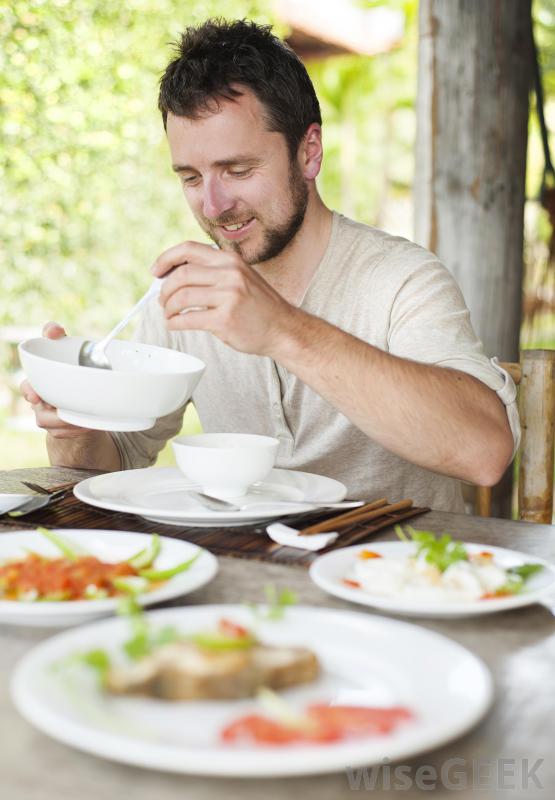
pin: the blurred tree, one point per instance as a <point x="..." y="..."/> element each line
<point x="368" y="106"/>
<point x="87" y="196"/>
<point x="89" y="199"/>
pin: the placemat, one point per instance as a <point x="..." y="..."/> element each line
<point x="249" y="541"/>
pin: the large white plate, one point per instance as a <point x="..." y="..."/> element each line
<point x="329" y="570"/>
<point x="108" y="546"/>
<point x="366" y="661"/>
<point x="159" y="494"/>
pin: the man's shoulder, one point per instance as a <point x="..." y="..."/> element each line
<point x="376" y="245"/>
<point x="381" y="262"/>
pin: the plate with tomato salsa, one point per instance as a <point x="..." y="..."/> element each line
<point x="366" y="701"/>
<point x="431" y="575"/>
<point x="66" y="576"/>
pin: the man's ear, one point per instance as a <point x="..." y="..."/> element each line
<point x="311" y="151"/>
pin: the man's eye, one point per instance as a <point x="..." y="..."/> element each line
<point x="189" y="180"/>
<point x="240" y="173"/>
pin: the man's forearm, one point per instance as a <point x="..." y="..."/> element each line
<point x="93" y="450"/>
<point x="439" y="418"/>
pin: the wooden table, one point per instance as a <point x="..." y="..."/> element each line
<point x="518" y="646"/>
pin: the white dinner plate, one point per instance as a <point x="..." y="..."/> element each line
<point x="159" y="494"/>
<point x="366" y="660"/>
<point x="329" y="571"/>
<point x="108" y="546"/>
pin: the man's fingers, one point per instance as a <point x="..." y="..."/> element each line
<point x="189" y="275"/>
<point x="197" y="252"/>
<point x="194" y="321"/>
<point x="53" y="331"/>
<point x="32" y="397"/>
<point x="29" y="393"/>
<point x="194" y="297"/>
<point x="47" y="418"/>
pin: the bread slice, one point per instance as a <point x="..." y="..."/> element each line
<point x="185" y="671"/>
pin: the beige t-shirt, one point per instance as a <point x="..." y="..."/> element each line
<point x="386" y="291"/>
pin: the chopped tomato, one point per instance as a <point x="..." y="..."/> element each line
<point x="351" y="584"/>
<point x="482" y="554"/>
<point x="497" y="593"/>
<point x="322" y="724"/>
<point x="257" y="729"/>
<point x="60" y="576"/>
<point x="232" y="629"/>
<point x="358" y="720"/>
<point x="366" y="554"/>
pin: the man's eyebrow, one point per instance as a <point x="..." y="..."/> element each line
<point x="223" y="162"/>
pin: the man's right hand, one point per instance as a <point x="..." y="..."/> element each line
<point x="69" y="445"/>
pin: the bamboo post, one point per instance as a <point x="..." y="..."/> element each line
<point x="482" y="501"/>
<point x="537" y="417"/>
<point x="474" y="78"/>
<point x="514" y="370"/>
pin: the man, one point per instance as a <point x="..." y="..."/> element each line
<point x="351" y="346"/>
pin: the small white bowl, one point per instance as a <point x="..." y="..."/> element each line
<point x="225" y="464"/>
<point x="146" y="382"/>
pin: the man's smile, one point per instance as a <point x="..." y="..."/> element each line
<point x="235" y="230"/>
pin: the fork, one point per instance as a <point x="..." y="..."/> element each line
<point x="58" y="493"/>
<point x="42" y="499"/>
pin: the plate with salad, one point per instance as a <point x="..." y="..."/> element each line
<point x="429" y="575"/>
<point x="65" y="576"/>
<point x="232" y="690"/>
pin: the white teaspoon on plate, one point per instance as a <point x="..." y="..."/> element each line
<point x="217" y="504"/>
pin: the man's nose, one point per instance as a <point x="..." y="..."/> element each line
<point x="216" y="200"/>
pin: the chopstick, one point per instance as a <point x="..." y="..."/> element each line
<point x="378" y="508"/>
<point x="47" y="492"/>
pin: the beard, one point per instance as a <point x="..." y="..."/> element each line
<point x="275" y="238"/>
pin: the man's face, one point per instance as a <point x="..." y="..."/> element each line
<point x="238" y="178"/>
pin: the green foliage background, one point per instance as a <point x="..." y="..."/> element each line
<point x="88" y="199"/>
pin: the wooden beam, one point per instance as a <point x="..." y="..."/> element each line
<point x="537" y="416"/>
<point x="475" y="67"/>
<point x="473" y="83"/>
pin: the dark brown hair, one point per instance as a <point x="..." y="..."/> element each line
<point x="216" y="58"/>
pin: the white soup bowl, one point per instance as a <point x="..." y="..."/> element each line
<point x="225" y="464"/>
<point x="146" y="382"/>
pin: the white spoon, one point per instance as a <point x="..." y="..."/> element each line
<point x="217" y="504"/>
<point x="93" y="354"/>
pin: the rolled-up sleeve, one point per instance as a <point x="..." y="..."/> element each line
<point x="430" y="322"/>
<point x="490" y="372"/>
